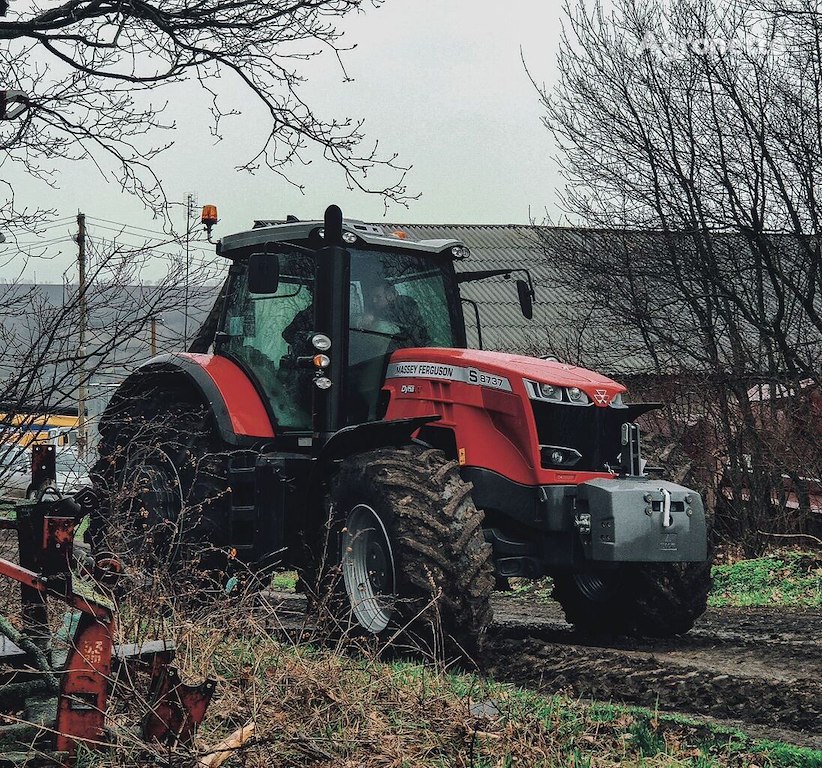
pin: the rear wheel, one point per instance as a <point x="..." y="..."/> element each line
<point x="651" y="599"/>
<point x="404" y="557"/>
<point x="166" y="486"/>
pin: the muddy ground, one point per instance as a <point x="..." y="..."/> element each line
<point x="756" y="669"/>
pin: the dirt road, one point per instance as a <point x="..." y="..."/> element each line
<point x="759" y="668"/>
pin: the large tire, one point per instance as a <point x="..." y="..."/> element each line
<point x="403" y="557"/>
<point x="645" y="599"/>
<point x="166" y="485"/>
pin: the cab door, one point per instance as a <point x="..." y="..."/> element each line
<point x="266" y="334"/>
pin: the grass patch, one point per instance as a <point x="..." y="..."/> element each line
<point x="316" y="707"/>
<point x="787" y="755"/>
<point x="284" y="581"/>
<point x="789" y="578"/>
<point x="534" y="589"/>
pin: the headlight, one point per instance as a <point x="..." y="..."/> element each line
<point x="321" y="342"/>
<point x="538" y="390"/>
<point x="576" y="395"/>
<point x="552" y="393"/>
<point x="558" y="456"/>
<point x="460" y="252"/>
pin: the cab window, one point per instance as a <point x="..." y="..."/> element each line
<point x="266" y="333"/>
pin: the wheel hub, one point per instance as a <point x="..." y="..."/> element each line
<point x="377" y="567"/>
<point x="368" y="569"/>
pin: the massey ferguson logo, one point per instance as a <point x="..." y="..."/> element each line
<point x="601" y="396"/>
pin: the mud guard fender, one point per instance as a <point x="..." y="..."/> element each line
<point x="239" y="413"/>
<point x="368" y="436"/>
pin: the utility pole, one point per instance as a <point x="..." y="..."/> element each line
<point x="82" y="425"/>
<point x="191" y="202"/>
<point x="153" y="335"/>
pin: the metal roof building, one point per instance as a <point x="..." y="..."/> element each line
<point x="574" y="316"/>
<point x="564" y="325"/>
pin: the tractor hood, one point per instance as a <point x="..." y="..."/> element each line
<point x="502" y="371"/>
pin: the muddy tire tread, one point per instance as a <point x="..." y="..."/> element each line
<point x="431" y="516"/>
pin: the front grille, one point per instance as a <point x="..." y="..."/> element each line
<point x="593" y="432"/>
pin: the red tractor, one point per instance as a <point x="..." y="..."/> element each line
<point x="342" y="427"/>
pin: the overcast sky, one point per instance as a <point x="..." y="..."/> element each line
<point x="440" y="82"/>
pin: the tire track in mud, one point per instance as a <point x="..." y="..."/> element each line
<point x="760" y="667"/>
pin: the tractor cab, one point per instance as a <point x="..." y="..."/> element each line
<point x="295" y="327"/>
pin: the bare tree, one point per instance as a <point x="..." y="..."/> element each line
<point x="57" y="339"/>
<point x="95" y="79"/>
<point x="691" y="131"/>
<point x="96" y="75"/>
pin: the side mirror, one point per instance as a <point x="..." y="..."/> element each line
<point x="263" y="273"/>
<point x="526" y="300"/>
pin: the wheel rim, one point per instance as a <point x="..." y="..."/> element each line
<point x="368" y="569"/>
<point x="594" y="586"/>
<point x="153" y="497"/>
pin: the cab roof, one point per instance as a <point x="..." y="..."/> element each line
<point x="266" y="231"/>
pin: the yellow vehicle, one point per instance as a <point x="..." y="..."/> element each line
<point x="24" y="429"/>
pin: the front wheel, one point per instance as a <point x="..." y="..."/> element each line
<point x="646" y="599"/>
<point x="404" y="557"/>
<point x="369" y="569"/>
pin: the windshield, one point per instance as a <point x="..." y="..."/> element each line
<point x="396" y="300"/>
<point x="407" y="290"/>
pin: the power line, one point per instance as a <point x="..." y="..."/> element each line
<point x="57" y="222"/>
<point x="158" y="249"/>
<point x="162" y="235"/>
<point x="126" y="231"/>
<point x="129" y="226"/>
<point x="37" y="232"/>
<point x="161" y="245"/>
<point x="41" y="243"/>
<point x="167" y="239"/>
